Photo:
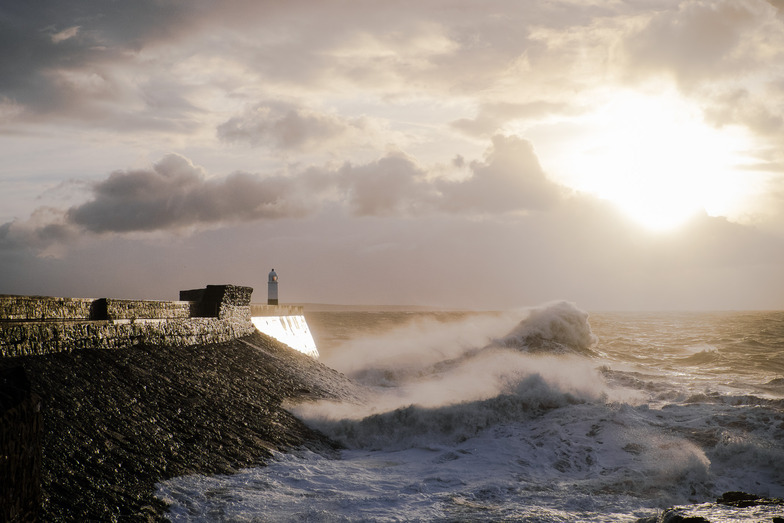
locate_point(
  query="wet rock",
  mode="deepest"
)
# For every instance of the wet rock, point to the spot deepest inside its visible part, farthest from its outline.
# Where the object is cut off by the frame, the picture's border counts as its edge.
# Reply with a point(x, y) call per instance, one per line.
point(740, 499)
point(730, 507)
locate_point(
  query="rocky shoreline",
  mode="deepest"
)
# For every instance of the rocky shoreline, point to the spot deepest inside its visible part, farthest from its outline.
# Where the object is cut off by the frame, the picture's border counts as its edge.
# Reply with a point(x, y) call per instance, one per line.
point(116, 422)
point(731, 506)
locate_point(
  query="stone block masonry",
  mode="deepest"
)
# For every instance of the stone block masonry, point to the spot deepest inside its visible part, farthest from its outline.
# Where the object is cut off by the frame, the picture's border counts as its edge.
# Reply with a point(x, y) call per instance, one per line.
point(31, 325)
point(45, 308)
point(222, 301)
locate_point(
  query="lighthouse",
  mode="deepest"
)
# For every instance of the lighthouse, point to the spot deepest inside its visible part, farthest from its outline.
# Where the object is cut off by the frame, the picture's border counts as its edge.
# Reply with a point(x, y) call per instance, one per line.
point(285, 323)
point(272, 288)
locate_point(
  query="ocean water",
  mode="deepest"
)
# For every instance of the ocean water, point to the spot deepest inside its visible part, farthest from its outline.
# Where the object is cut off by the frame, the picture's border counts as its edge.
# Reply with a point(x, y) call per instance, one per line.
point(547, 414)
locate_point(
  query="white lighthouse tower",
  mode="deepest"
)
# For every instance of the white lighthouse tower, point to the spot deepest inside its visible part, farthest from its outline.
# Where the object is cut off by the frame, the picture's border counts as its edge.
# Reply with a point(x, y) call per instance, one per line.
point(272, 288)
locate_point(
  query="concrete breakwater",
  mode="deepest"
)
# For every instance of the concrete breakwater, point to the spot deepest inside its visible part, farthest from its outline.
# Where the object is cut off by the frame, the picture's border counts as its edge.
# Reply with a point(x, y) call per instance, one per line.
point(35, 325)
point(287, 324)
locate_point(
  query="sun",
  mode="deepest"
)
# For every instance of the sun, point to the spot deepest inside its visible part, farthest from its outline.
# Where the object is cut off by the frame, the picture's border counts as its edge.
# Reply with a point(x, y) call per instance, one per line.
point(655, 158)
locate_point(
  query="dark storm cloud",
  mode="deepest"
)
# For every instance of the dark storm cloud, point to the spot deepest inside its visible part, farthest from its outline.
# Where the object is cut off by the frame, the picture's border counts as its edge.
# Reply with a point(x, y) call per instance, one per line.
point(175, 194)
point(58, 57)
point(99, 61)
point(286, 126)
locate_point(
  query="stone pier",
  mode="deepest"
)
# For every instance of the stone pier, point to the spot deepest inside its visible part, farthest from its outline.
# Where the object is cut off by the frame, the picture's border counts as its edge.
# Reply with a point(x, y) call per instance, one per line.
point(31, 325)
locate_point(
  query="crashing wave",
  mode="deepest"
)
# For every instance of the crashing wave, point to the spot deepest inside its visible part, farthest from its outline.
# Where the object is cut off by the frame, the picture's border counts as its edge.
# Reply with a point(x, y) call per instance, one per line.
point(558, 328)
point(415, 425)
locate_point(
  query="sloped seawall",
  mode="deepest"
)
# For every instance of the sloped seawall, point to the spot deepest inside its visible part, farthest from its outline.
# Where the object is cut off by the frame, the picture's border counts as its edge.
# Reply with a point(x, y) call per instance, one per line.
point(117, 422)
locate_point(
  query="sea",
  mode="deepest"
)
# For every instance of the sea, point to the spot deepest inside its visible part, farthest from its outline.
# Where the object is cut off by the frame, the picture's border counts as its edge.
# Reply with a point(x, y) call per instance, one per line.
point(543, 414)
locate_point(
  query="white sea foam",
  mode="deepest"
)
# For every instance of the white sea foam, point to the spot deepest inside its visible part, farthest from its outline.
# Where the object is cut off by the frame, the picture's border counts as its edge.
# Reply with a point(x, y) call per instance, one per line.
point(417, 345)
point(534, 424)
point(582, 458)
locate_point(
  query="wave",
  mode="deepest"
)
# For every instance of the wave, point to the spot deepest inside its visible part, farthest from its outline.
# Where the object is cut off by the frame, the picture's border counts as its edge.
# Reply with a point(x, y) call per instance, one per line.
point(542, 395)
point(451, 389)
point(461, 424)
point(424, 350)
point(540, 436)
point(775, 385)
point(706, 356)
point(415, 425)
point(415, 349)
point(556, 328)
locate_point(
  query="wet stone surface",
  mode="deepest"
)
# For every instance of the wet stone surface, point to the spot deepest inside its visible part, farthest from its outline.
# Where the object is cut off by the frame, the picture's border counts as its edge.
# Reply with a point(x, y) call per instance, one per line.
point(116, 422)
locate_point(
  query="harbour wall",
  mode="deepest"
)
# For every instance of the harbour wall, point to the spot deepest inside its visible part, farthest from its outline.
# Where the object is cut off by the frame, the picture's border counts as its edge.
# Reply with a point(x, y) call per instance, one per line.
point(33, 325)
point(40, 325)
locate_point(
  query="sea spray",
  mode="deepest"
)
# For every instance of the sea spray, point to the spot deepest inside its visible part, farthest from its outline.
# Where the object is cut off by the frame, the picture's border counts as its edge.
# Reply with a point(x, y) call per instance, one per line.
point(415, 345)
point(421, 348)
point(533, 420)
point(463, 362)
point(559, 327)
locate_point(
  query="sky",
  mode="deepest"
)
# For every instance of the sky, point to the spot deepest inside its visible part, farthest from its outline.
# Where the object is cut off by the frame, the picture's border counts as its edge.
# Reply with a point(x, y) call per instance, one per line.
point(494, 154)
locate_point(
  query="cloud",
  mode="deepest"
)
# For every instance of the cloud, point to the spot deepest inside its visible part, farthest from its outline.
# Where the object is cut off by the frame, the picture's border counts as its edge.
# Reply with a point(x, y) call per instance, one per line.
point(369, 99)
point(173, 66)
point(46, 232)
point(286, 126)
point(700, 41)
point(392, 185)
point(258, 50)
point(582, 250)
point(509, 179)
point(79, 61)
point(762, 114)
point(65, 34)
point(491, 117)
point(175, 194)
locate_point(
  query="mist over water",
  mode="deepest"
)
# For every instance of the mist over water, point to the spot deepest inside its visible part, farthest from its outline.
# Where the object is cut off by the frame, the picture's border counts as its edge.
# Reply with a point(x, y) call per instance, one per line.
point(546, 414)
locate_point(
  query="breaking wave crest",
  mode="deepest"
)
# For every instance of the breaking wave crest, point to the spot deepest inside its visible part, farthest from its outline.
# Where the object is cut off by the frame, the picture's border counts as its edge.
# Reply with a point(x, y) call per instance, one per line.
point(419, 350)
point(417, 426)
point(464, 389)
point(557, 328)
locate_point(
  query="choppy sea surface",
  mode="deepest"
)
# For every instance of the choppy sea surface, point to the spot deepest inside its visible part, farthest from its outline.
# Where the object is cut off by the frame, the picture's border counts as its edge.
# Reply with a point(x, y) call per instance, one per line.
point(546, 414)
